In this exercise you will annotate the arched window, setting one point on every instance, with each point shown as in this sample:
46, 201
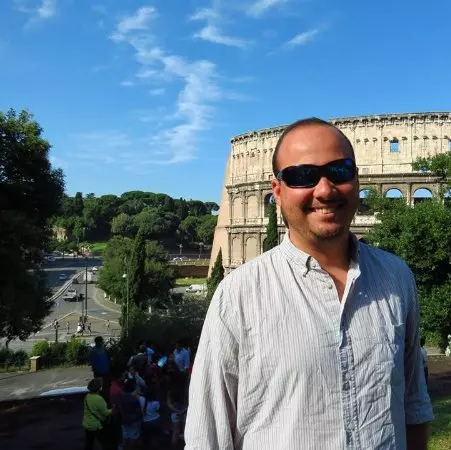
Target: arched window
420, 195
362, 208
393, 193
269, 198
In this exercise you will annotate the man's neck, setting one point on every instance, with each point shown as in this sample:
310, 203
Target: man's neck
332, 253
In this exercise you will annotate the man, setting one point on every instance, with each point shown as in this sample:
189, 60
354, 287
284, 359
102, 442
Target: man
181, 357
99, 359
314, 344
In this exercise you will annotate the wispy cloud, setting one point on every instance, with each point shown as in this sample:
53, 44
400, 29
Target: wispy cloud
302, 38
260, 7
127, 83
139, 21
43, 11
157, 92
175, 137
212, 31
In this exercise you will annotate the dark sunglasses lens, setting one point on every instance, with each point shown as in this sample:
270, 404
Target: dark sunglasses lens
341, 171
301, 176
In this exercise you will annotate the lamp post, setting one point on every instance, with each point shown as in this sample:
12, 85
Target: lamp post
181, 247
86, 291
125, 277
201, 244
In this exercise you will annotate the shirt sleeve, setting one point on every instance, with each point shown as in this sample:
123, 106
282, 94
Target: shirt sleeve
212, 412
187, 361
101, 407
417, 403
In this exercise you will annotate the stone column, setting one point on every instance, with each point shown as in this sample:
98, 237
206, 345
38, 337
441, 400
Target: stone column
409, 199
242, 248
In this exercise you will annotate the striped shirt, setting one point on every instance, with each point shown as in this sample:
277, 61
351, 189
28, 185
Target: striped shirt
282, 364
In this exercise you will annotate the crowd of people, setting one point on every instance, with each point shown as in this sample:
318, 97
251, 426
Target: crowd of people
141, 404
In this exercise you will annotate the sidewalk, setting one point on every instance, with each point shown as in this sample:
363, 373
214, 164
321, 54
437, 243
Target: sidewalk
100, 299
14, 386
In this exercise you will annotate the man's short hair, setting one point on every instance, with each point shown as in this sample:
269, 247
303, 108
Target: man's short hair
303, 123
98, 340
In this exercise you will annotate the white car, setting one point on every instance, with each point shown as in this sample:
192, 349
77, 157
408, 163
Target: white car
62, 277
94, 269
196, 288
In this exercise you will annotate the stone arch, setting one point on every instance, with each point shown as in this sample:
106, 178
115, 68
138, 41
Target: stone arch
252, 207
237, 208
236, 248
363, 194
269, 198
420, 195
251, 248
393, 193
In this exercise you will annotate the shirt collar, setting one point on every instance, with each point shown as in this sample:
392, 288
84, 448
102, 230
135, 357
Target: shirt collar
307, 261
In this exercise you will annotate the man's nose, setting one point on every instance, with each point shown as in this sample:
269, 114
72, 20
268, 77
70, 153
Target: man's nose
325, 188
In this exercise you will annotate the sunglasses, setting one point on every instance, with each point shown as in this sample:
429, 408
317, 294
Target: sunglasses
308, 175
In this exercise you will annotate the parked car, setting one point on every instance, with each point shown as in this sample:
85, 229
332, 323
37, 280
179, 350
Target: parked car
70, 295
62, 277
196, 288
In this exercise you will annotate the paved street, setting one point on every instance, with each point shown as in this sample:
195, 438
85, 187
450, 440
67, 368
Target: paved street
69, 310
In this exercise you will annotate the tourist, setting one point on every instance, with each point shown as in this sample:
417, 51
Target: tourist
181, 357
94, 416
177, 404
133, 373
131, 415
99, 358
424, 356
107, 325
140, 359
116, 391
315, 343
89, 328
151, 417
67, 327
79, 328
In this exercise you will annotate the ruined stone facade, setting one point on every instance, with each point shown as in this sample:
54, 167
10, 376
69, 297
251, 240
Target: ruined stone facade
385, 147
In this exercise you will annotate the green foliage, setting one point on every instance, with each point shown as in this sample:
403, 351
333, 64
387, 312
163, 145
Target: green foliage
421, 235
206, 229
73, 352
182, 321
187, 231
30, 195
217, 275
123, 225
10, 357
78, 204
136, 274
272, 237
77, 352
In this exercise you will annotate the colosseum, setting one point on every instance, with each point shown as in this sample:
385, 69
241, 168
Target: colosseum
385, 147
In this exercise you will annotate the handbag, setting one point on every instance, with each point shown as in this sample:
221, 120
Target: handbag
104, 422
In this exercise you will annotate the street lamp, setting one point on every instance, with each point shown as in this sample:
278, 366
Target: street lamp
180, 246
125, 277
201, 244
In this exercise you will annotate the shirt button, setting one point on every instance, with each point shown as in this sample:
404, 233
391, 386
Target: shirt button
330, 286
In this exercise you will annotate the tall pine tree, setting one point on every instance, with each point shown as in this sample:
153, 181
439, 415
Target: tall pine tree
272, 238
137, 280
217, 274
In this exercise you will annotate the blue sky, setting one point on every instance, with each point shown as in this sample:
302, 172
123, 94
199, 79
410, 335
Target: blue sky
146, 95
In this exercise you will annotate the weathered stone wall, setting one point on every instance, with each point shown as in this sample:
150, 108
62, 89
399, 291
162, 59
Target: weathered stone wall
385, 147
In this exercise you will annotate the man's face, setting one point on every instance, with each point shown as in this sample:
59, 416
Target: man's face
325, 211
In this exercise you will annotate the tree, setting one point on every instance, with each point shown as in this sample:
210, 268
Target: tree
136, 273
123, 225
422, 237
216, 276
182, 209
78, 204
272, 237
187, 230
206, 229
30, 194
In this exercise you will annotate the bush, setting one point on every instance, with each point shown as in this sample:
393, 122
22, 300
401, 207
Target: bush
77, 352
11, 358
41, 348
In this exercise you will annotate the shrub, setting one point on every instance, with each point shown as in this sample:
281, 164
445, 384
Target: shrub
77, 352
5, 355
11, 358
41, 348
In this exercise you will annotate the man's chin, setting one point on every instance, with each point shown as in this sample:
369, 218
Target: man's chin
329, 233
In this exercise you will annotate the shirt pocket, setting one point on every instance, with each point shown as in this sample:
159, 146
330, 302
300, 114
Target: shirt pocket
389, 348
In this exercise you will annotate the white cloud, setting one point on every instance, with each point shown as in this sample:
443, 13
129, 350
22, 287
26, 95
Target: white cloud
127, 83
156, 92
59, 163
43, 11
302, 38
259, 7
204, 14
139, 21
213, 34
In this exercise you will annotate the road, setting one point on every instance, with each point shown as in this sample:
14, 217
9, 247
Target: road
61, 309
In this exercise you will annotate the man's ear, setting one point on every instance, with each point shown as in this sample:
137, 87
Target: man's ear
275, 184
